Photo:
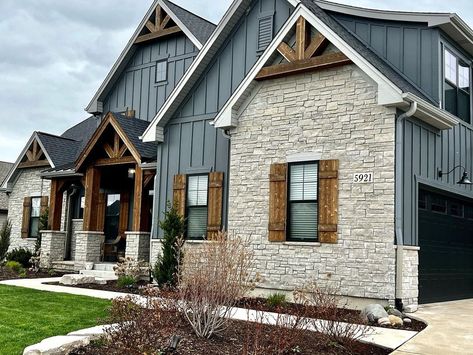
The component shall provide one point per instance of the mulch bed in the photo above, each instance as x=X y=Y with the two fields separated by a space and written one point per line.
x=109 y=286
x=8 y=274
x=344 y=315
x=239 y=338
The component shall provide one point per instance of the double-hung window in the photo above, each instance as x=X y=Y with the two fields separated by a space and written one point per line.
x=197 y=206
x=302 y=201
x=34 y=216
x=161 y=71
x=457 y=86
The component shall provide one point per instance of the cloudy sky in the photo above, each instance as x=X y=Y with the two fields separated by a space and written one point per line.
x=54 y=54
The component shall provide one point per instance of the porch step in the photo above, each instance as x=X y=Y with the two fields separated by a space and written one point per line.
x=100 y=274
x=104 y=266
x=63 y=266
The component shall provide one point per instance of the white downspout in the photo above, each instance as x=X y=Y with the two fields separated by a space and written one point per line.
x=398 y=198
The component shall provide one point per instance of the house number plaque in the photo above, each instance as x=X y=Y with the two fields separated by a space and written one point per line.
x=362 y=178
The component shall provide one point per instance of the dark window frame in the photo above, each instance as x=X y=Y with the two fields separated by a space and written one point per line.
x=34 y=218
x=189 y=208
x=166 y=67
x=460 y=59
x=289 y=202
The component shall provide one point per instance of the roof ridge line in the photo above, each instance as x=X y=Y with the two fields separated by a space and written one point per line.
x=193 y=13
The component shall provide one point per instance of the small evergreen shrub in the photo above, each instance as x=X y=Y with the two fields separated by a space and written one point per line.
x=43 y=225
x=5 y=233
x=22 y=255
x=15 y=266
x=126 y=281
x=276 y=300
x=166 y=268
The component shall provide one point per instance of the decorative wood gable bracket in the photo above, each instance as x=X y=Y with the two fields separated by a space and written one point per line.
x=34 y=157
x=109 y=149
x=160 y=25
x=305 y=56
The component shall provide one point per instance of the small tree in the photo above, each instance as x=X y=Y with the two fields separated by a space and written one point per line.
x=166 y=268
x=5 y=233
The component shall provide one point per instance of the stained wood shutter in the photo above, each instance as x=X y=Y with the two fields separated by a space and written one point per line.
x=215 y=204
x=44 y=204
x=25 y=226
x=179 y=193
x=328 y=201
x=277 y=202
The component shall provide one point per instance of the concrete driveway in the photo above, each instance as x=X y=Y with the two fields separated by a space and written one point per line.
x=449 y=331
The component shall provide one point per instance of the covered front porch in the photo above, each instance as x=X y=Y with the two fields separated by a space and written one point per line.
x=101 y=210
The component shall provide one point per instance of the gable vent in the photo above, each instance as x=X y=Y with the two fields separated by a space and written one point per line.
x=265 y=32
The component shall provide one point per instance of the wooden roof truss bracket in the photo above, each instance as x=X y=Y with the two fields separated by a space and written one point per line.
x=34 y=157
x=160 y=26
x=305 y=56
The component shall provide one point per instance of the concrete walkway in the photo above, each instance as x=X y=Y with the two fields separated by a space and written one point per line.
x=386 y=337
x=38 y=284
x=449 y=331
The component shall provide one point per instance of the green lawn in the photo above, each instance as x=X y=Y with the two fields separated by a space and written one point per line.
x=28 y=316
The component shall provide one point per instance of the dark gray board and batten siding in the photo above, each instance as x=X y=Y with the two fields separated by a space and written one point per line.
x=427 y=150
x=191 y=145
x=136 y=87
x=411 y=48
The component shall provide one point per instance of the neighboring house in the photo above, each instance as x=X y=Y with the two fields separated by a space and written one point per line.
x=322 y=132
x=4 y=169
x=28 y=191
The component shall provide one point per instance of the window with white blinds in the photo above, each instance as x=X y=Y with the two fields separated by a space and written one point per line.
x=302 y=206
x=197 y=208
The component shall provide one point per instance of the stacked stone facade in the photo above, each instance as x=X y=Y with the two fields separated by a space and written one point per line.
x=27 y=184
x=331 y=114
x=410 y=275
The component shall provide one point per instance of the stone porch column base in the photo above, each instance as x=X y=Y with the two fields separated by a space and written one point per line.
x=53 y=248
x=88 y=248
x=408 y=283
x=138 y=245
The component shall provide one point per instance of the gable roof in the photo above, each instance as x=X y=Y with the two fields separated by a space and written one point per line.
x=391 y=85
x=5 y=168
x=194 y=27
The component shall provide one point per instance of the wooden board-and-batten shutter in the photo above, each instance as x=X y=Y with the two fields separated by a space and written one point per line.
x=277 y=202
x=215 y=204
x=25 y=225
x=179 y=193
x=44 y=204
x=328 y=201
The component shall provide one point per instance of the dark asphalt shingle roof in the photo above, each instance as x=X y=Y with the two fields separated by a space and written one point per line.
x=365 y=51
x=5 y=168
x=134 y=129
x=201 y=28
x=60 y=150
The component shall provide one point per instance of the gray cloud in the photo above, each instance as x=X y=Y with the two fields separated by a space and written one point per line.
x=54 y=54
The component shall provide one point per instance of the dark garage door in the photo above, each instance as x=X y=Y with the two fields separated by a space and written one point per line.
x=446 y=248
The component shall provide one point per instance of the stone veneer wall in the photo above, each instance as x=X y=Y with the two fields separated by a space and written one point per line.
x=332 y=114
x=77 y=226
x=28 y=183
x=410 y=275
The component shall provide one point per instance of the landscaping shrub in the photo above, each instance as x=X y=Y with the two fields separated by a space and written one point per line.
x=276 y=300
x=323 y=303
x=43 y=225
x=5 y=233
x=214 y=274
x=21 y=255
x=15 y=266
x=126 y=281
x=167 y=265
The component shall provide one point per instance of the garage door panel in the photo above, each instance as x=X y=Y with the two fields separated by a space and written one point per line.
x=446 y=249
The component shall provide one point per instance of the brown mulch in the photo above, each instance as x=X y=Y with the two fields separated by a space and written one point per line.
x=344 y=315
x=239 y=338
x=8 y=274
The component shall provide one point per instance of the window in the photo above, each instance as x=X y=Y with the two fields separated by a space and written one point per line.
x=112 y=216
x=197 y=208
x=422 y=200
x=34 y=216
x=438 y=204
x=161 y=71
x=456 y=209
x=457 y=86
x=302 y=206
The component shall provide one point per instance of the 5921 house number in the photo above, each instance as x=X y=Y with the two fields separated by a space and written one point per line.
x=362 y=178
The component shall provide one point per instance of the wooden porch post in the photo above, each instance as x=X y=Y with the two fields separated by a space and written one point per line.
x=138 y=200
x=55 y=208
x=92 y=191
